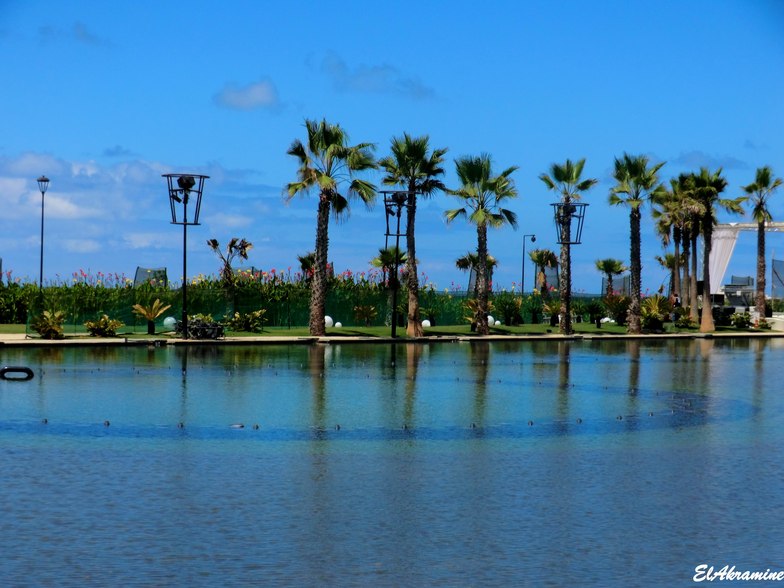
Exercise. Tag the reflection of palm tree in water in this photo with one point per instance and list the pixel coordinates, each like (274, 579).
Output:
(564, 373)
(480, 361)
(633, 350)
(413, 355)
(316, 367)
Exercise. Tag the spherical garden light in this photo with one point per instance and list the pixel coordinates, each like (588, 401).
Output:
(185, 189)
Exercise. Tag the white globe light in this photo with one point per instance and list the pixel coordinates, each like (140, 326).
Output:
(490, 320)
(498, 323)
(169, 322)
(425, 324)
(338, 325)
(328, 322)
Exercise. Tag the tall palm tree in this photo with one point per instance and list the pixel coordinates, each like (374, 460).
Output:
(326, 162)
(759, 192)
(413, 165)
(610, 268)
(705, 188)
(483, 195)
(636, 181)
(543, 259)
(566, 181)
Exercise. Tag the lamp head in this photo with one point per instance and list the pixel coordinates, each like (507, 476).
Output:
(533, 238)
(43, 184)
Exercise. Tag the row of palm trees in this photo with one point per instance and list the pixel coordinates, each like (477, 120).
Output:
(329, 166)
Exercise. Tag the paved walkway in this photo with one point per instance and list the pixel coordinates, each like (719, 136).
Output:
(19, 339)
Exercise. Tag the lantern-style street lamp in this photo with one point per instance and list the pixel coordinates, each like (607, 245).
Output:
(569, 217)
(185, 189)
(394, 203)
(43, 185)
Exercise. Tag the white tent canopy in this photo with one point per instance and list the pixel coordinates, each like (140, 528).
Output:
(722, 246)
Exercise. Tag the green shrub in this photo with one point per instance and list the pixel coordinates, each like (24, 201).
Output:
(251, 322)
(741, 320)
(617, 307)
(103, 327)
(655, 310)
(49, 324)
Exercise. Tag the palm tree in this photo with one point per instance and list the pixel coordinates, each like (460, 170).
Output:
(636, 182)
(543, 259)
(470, 261)
(388, 259)
(235, 248)
(306, 264)
(760, 192)
(483, 195)
(325, 162)
(414, 166)
(565, 181)
(705, 188)
(610, 268)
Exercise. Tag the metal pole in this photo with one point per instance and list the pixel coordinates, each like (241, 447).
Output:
(41, 271)
(185, 280)
(394, 277)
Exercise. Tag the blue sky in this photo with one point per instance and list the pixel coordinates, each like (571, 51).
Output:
(105, 97)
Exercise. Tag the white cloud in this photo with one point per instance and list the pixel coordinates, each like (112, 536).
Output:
(262, 94)
(373, 79)
(230, 221)
(81, 245)
(145, 240)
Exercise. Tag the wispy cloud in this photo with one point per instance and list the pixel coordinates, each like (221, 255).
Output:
(78, 32)
(261, 94)
(696, 159)
(373, 79)
(117, 151)
(749, 144)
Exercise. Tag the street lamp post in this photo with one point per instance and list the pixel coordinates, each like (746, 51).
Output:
(394, 203)
(522, 277)
(568, 216)
(183, 188)
(43, 184)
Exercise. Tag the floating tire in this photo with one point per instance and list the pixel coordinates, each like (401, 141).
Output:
(16, 373)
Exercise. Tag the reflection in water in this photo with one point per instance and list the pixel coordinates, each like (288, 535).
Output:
(480, 361)
(413, 356)
(317, 362)
(373, 505)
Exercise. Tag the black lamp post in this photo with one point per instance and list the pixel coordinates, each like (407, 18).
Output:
(183, 189)
(394, 203)
(522, 278)
(568, 217)
(43, 185)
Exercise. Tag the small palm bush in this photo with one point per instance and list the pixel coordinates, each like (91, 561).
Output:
(104, 326)
(50, 324)
(251, 322)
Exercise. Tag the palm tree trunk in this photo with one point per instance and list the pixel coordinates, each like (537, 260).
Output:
(565, 282)
(610, 288)
(481, 279)
(414, 326)
(634, 313)
(676, 270)
(759, 301)
(318, 285)
(694, 314)
(706, 323)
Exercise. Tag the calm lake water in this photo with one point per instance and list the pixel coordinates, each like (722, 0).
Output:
(621, 463)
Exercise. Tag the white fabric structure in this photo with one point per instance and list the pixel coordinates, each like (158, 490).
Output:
(722, 246)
